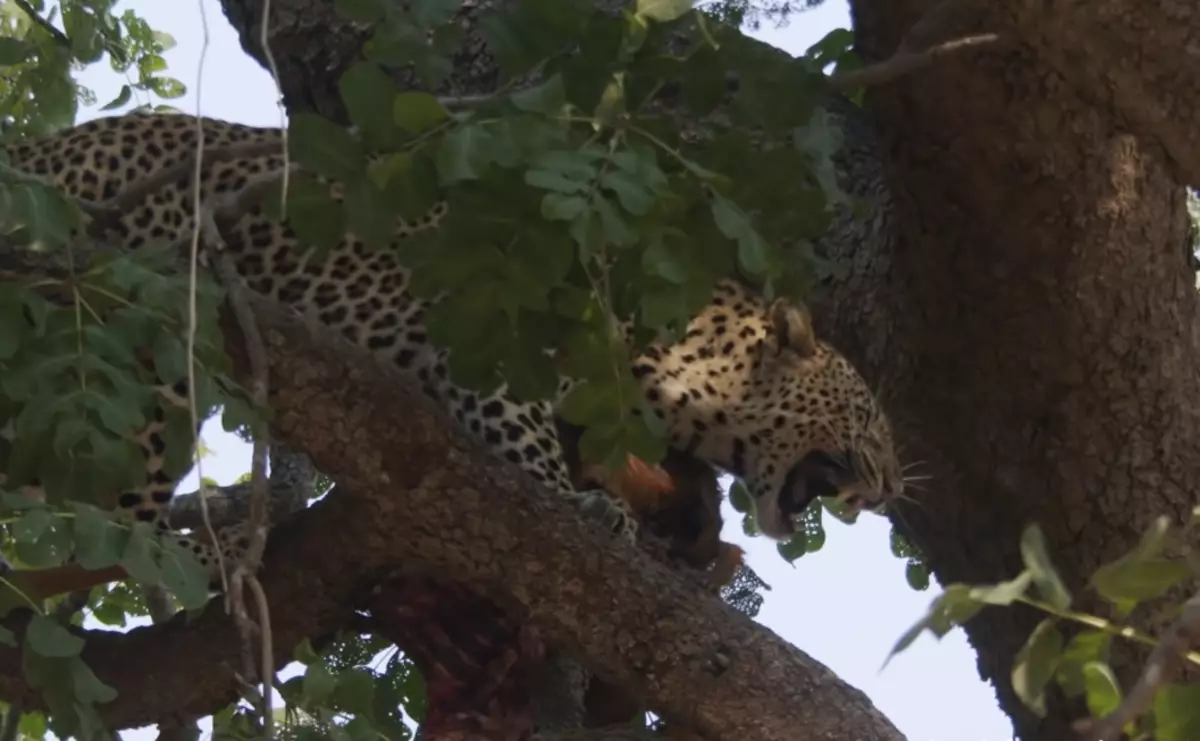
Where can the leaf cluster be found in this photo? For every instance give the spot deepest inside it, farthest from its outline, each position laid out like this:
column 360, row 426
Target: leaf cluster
column 1068, row 649
column 38, row 94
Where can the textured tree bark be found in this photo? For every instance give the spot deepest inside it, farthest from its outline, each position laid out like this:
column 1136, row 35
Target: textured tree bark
column 1035, row 318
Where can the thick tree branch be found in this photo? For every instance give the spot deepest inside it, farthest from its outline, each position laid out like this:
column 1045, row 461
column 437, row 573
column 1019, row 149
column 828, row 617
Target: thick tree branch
column 421, row 495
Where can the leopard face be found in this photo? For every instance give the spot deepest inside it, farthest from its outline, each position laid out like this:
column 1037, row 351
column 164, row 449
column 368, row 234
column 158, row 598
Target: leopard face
column 753, row 391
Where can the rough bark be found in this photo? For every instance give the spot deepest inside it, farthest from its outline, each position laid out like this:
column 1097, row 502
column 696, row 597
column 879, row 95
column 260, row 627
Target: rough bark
column 1039, row 279
column 1131, row 59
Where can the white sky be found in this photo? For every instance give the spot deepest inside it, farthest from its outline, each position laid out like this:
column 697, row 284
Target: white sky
column 845, row 606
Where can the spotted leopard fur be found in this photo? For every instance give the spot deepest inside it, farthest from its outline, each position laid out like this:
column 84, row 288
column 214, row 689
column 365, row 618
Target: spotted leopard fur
column 749, row 389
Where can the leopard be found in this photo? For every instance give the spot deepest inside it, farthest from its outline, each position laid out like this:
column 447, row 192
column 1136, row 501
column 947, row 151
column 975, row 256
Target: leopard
column 748, row 388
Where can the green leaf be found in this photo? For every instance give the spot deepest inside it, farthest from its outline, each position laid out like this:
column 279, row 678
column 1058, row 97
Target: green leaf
column 612, row 101
column 554, row 181
column 463, row 154
column 739, row 497
column 1035, row 665
column 184, row 575
column 753, row 255
column 355, row 692
column 953, row 607
column 31, row 525
column 1177, row 713
column 318, row 220
column 15, row 51
column 663, row 10
column 417, row 112
column 19, row 502
column 1084, row 647
column 362, row 87
column 616, row 231
column 33, row 725
column 1005, row 592
column 50, row 548
column 917, row 575
column 559, row 207
column 548, row 98
column 99, row 542
column 167, row 87
column 1103, row 691
column 819, row 140
column 138, row 558
column 48, row 638
column 634, row 196
column 1155, row 538
column 122, row 98
column 794, row 548
column 1037, row 560
column 319, row 683
column 324, row 147
column 1138, row 581
column 589, row 402
column 368, row 214
column 304, row 653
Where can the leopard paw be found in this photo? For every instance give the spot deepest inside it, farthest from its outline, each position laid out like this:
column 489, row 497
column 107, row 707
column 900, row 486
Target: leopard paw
column 610, row 512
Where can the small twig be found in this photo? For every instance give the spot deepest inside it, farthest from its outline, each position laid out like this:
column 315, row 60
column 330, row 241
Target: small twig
column 1164, row 663
column 59, row 37
column 937, row 21
column 244, row 573
column 257, row 353
column 906, row 62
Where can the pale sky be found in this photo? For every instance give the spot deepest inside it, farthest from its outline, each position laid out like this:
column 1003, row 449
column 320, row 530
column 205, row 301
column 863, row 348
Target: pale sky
column 845, row 606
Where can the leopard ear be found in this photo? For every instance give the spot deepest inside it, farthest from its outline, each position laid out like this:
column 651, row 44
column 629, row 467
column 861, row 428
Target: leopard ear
column 792, row 327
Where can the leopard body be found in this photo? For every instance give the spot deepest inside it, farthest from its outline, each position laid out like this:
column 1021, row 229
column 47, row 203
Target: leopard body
column 749, row 389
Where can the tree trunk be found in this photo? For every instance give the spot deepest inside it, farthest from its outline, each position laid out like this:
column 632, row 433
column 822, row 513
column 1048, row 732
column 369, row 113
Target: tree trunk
column 1034, row 320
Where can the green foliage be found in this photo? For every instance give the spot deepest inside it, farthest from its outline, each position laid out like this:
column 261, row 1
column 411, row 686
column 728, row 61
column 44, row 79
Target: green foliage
column 37, row 92
column 1070, row 649
column 576, row 209
column 345, row 692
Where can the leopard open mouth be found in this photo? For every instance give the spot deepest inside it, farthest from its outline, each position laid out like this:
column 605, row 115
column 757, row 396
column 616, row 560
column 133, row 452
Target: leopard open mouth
column 819, row 474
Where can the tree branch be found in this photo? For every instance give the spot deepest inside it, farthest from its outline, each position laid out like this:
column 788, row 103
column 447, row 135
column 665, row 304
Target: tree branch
column 421, row 495
column 906, row 62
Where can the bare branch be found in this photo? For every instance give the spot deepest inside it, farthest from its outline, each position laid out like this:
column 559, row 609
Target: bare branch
column 907, row 62
column 246, row 570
